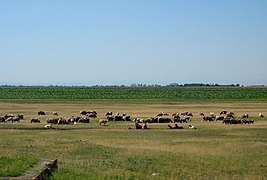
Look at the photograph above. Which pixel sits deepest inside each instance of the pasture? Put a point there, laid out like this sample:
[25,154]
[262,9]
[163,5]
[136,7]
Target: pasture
[90,151]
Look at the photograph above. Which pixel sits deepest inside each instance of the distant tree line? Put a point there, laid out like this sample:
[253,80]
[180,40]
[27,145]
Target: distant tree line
[138,85]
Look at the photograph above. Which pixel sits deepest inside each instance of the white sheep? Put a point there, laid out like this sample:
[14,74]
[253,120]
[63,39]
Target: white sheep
[48,126]
[191,127]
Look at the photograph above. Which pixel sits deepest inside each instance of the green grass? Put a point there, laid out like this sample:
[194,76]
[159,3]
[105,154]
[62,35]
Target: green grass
[15,166]
[141,93]
[90,151]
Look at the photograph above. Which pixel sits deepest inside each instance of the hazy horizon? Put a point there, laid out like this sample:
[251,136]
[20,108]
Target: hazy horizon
[123,42]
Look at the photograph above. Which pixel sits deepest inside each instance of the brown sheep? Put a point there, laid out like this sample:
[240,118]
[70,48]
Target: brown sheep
[35,120]
[41,113]
[138,126]
[175,126]
[103,121]
[144,126]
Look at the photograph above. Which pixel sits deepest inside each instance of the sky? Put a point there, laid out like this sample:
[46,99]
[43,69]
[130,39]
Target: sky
[115,42]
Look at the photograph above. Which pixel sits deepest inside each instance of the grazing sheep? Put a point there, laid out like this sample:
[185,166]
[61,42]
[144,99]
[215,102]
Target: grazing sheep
[230,115]
[48,126]
[201,114]
[250,121]
[261,115]
[110,118]
[184,113]
[151,120]
[109,113]
[191,127]
[223,112]
[21,116]
[190,114]
[8,116]
[2,119]
[103,121]
[55,113]
[176,116]
[245,116]
[246,121]
[219,118]
[212,115]
[62,121]
[52,120]
[208,118]
[162,114]
[87,112]
[126,118]
[144,126]
[181,120]
[35,120]
[84,120]
[91,115]
[41,113]
[118,118]
[232,121]
[13,119]
[138,126]
[175,126]
[164,120]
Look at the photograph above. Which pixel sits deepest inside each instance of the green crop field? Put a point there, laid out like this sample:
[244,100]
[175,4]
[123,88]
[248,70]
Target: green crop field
[161,93]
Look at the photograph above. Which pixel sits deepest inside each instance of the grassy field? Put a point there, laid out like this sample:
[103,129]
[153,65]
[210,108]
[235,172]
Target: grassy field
[89,151]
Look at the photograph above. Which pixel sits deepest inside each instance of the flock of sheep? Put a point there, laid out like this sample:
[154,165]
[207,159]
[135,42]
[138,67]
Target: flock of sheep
[140,123]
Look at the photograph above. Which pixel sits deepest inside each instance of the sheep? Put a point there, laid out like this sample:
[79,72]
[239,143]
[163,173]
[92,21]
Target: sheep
[223,112]
[8,116]
[41,113]
[191,127]
[245,116]
[35,120]
[13,119]
[110,118]
[126,118]
[181,120]
[164,120]
[190,114]
[62,121]
[91,115]
[88,112]
[219,118]
[2,119]
[48,126]
[184,113]
[175,126]
[103,121]
[162,114]
[261,115]
[84,120]
[208,118]
[137,126]
[52,120]
[176,115]
[144,126]
[109,113]
[55,113]
[212,115]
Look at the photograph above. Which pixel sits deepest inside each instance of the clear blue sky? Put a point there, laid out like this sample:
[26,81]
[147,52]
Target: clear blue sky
[88,42]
